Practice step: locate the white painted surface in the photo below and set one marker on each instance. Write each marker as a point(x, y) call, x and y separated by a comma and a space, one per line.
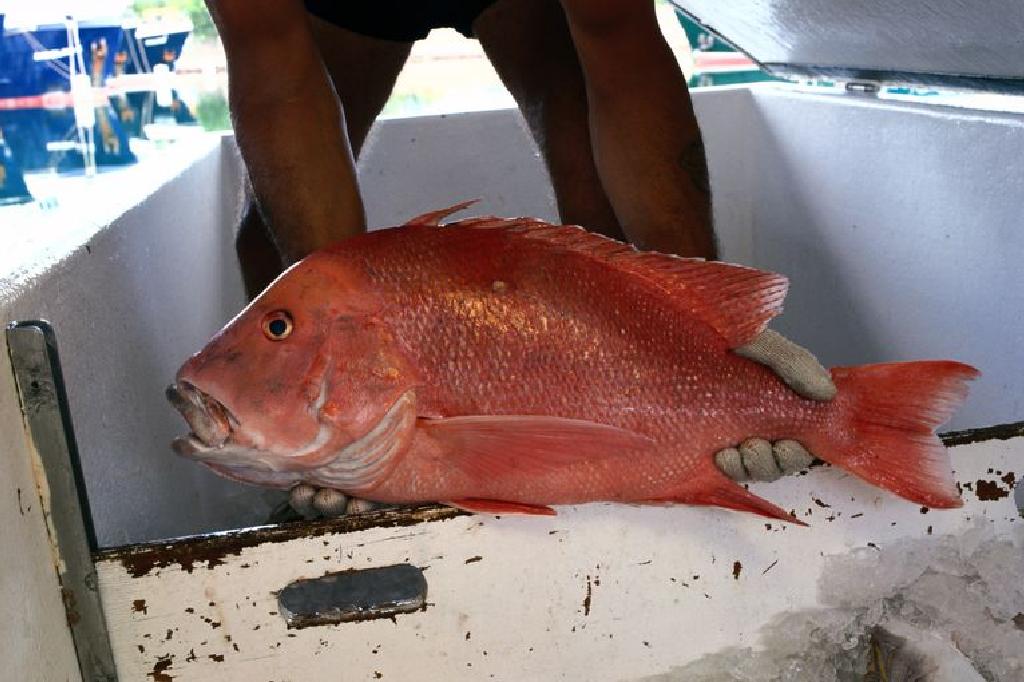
point(95, 302)
point(899, 226)
point(600, 592)
point(981, 37)
point(156, 280)
point(413, 165)
point(35, 642)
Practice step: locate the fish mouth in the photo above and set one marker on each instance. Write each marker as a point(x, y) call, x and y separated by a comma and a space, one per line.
point(211, 422)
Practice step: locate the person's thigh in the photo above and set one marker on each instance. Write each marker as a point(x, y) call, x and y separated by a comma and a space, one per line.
point(363, 70)
point(529, 44)
point(647, 142)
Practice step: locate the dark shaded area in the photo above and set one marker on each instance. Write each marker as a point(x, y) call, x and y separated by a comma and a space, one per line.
point(990, 491)
point(999, 432)
point(354, 595)
point(187, 552)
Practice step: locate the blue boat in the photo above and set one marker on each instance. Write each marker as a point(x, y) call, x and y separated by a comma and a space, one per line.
point(36, 113)
point(37, 116)
point(12, 182)
point(145, 46)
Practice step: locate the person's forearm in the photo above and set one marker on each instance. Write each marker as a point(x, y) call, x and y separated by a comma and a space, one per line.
point(289, 125)
point(647, 144)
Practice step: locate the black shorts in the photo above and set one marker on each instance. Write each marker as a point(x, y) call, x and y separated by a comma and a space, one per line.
point(399, 20)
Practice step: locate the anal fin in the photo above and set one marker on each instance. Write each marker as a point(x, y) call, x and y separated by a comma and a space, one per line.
point(501, 507)
point(723, 492)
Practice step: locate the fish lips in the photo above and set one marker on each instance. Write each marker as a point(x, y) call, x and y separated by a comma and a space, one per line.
point(210, 421)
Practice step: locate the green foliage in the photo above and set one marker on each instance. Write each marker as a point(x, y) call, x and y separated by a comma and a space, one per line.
point(202, 23)
point(212, 111)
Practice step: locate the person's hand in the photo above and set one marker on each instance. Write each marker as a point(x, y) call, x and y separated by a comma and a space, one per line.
point(756, 458)
point(312, 502)
point(794, 364)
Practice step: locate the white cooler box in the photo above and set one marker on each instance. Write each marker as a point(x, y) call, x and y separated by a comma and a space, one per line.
point(899, 223)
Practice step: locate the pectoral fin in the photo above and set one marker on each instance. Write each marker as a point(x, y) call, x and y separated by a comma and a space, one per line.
point(496, 446)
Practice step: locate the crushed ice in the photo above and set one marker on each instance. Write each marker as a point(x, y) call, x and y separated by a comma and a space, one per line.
point(941, 608)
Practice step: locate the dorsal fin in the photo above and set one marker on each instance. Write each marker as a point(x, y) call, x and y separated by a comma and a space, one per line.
point(736, 301)
point(435, 217)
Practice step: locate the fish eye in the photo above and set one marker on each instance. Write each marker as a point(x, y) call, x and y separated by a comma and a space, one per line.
point(278, 325)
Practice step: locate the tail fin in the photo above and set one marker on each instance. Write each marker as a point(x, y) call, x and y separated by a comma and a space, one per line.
point(891, 412)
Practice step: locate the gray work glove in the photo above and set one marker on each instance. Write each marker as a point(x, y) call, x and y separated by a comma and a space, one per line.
point(794, 364)
point(312, 502)
point(756, 458)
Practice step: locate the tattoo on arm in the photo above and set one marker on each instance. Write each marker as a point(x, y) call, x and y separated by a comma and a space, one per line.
point(694, 163)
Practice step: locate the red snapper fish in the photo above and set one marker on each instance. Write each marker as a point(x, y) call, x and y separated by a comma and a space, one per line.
point(504, 365)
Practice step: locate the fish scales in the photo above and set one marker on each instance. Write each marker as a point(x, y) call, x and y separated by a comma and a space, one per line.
point(600, 345)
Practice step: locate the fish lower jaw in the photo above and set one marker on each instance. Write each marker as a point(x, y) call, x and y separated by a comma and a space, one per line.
point(211, 422)
point(229, 454)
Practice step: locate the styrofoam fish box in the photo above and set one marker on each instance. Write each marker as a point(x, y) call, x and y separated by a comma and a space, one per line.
point(898, 224)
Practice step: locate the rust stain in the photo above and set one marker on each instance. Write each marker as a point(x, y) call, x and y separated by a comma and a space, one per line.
point(999, 432)
point(139, 606)
point(586, 599)
point(163, 663)
point(1009, 479)
point(192, 552)
point(737, 567)
point(70, 606)
point(989, 491)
